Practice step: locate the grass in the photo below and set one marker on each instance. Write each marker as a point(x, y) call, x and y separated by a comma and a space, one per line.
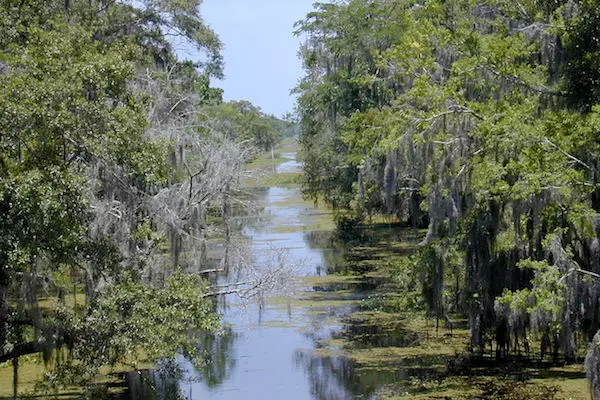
point(263, 167)
point(288, 145)
point(403, 350)
point(32, 370)
point(266, 161)
point(315, 301)
point(32, 367)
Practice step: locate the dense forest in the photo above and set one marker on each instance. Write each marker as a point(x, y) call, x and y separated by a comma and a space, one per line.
point(476, 122)
point(479, 121)
point(117, 161)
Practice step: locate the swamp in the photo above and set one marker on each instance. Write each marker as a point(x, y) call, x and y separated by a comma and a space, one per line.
point(421, 221)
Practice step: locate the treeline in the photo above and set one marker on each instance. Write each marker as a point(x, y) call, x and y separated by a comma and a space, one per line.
point(112, 152)
point(480, 121)
point(244, 121)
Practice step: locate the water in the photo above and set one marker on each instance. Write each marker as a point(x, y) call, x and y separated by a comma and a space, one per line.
point(270, 348)
point(290, 166)
point(281, 348)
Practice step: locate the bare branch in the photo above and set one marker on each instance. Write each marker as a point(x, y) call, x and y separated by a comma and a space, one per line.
point(577, 160)
point(223, 293)
point(520, 82)
point(211, 271)
point(452, 110)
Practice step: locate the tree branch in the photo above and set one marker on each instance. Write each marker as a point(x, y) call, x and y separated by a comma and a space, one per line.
point(577, 160)
point(520, 82)
point(223, 293)
point(452, 110)
point(210, 271)
point(23, 349)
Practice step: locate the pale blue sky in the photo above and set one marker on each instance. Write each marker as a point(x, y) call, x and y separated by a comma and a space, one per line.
point(261, 63)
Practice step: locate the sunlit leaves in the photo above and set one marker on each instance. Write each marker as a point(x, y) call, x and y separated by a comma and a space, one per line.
point(76, 165)
point(487, 124)
point(545, 299)
point(128, 314)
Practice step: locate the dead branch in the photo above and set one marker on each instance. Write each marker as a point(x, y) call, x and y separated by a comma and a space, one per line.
point(577, 160)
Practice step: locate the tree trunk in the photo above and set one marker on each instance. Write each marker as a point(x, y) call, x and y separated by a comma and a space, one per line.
point(592, 367)
point(15, 364)
point(3, 315)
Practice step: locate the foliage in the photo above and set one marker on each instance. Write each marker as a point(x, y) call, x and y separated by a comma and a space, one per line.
point(476, 120)
point(105, 161)
point(241, 120)
point(544, 300)
point(521, 390)
point(128, 313)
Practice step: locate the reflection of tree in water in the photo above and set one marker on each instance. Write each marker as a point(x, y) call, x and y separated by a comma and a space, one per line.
point(219, 360)
point(168, 380)
point(159, 384)
point(337, 377)
point(332, 249)
point(337, 247)
point(332, 377)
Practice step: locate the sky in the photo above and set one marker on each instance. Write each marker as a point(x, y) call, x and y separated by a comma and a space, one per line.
point(260, 52)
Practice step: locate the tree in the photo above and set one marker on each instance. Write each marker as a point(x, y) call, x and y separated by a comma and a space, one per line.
point(96, 111)
point(241, 121)
point(466, 118)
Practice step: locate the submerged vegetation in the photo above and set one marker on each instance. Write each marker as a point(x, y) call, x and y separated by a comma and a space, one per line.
point(392, 346)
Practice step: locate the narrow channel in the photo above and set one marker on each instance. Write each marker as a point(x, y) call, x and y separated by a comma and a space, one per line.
point(280, 347)
point(270, 351)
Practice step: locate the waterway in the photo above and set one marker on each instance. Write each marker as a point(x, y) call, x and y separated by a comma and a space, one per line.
point(271, 348)
point(320, 335)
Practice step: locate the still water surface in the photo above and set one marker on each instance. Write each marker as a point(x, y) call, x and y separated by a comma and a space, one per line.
point(269, 351)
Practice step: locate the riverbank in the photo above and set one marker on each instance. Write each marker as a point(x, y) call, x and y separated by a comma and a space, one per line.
point(366, 341)
point(405, 355)
point(341, 329)
point(112, 382)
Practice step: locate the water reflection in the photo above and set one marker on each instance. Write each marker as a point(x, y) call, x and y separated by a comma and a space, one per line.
point(332, 250)
point(366, 333)
point(257, 359)
point(291, 166)
point(217, 349)
point(175, 379)
point(335, 377)
point(162, 383)
point(332, 377)
point(272, 350)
